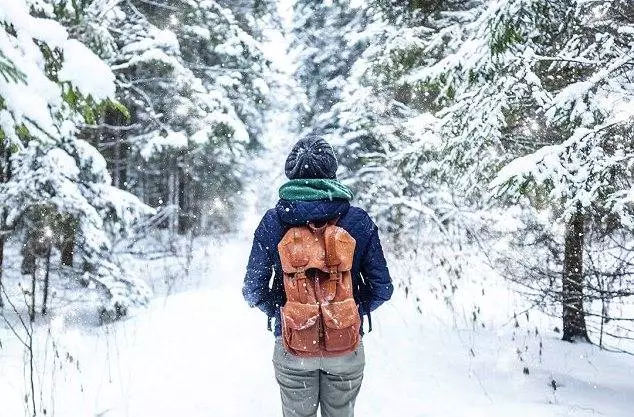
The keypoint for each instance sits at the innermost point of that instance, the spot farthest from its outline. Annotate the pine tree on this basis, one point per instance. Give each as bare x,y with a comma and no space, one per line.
53,181
325,46
539,89
388,125
452,100
195,83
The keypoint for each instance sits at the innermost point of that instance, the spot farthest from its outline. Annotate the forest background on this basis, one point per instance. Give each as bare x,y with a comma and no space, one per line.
484,136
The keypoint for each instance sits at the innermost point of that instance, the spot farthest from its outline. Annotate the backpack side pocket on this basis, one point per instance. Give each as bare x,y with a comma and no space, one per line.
341,326
300,327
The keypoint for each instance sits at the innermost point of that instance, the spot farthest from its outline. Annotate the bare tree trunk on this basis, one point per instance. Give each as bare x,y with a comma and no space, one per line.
113,147
186,219
170,199
574,322
46,279
116,169
68,246
173,197
33,288
177,192
29,251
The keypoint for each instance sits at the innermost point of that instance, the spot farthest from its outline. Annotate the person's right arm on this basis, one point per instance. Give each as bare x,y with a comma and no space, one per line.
375,273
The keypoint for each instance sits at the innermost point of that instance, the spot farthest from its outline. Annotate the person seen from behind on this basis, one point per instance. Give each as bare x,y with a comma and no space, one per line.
328,272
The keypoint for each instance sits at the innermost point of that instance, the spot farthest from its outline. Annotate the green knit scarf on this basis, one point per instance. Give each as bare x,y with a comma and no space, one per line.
311,189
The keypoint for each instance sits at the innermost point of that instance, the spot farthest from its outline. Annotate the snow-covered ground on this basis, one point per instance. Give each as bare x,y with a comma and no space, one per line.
202,352
198,350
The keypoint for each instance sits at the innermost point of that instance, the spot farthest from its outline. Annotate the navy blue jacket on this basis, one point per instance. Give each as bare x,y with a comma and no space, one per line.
371,278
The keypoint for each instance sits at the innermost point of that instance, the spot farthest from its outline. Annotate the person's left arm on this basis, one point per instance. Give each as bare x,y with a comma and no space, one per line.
256,289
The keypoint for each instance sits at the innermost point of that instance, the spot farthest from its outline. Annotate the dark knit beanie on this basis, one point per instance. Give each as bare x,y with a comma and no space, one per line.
311,157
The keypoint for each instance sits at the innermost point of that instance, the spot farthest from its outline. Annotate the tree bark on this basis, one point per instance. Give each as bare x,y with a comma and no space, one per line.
177,192
29,250
33,288
174,186
68,245
171,198
186,218
116,169
113,147
574,321
46,280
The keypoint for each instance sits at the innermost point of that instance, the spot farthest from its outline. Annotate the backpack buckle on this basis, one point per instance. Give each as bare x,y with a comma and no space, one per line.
335,275
302,290
299,274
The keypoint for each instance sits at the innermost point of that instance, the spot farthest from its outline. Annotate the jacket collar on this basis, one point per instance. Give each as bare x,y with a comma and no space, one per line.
296,212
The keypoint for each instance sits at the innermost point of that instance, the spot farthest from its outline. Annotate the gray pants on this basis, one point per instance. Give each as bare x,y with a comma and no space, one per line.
306,383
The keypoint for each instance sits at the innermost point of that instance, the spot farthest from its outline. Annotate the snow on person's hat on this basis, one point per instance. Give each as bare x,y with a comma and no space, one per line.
311,157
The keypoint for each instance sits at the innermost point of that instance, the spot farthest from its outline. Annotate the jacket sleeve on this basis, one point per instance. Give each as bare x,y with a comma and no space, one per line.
256,289
378,284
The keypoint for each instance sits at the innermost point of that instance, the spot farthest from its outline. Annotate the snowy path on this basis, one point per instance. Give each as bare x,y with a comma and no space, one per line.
205,353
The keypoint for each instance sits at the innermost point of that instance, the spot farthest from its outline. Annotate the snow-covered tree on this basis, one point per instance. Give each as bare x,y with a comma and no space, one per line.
195,84
325,47
456,110
255,17
539,109
54,183
386,126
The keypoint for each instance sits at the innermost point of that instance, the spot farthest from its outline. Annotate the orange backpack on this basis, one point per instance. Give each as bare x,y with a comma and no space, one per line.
320,317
